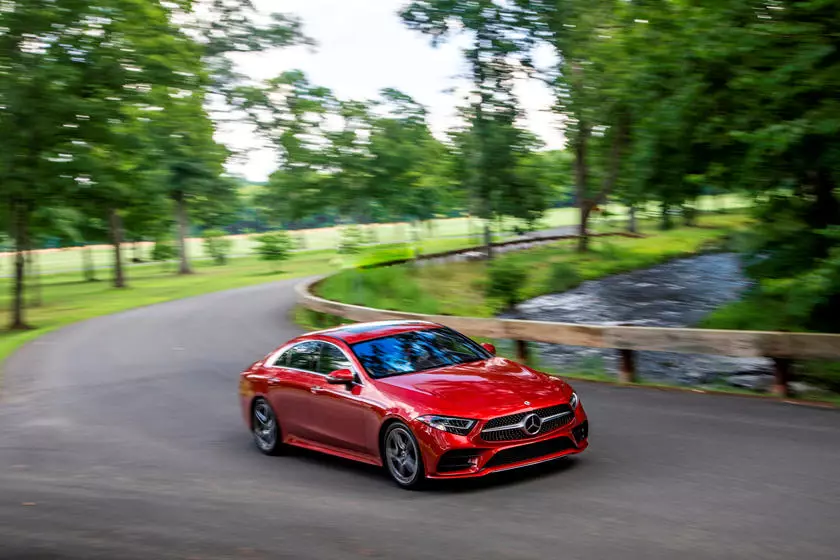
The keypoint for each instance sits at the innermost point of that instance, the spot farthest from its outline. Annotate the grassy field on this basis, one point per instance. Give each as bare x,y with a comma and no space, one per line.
459,288
66,299
70,259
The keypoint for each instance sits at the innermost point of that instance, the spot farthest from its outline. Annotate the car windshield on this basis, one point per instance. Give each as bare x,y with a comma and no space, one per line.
416,351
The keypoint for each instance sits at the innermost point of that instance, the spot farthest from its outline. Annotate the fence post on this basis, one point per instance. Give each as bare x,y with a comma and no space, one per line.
782,372
522,351
627,371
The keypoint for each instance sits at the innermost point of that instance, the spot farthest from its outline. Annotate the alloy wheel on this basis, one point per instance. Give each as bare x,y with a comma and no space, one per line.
265,427
402,456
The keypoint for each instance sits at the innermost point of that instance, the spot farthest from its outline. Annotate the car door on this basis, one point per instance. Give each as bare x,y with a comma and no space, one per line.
293,375
345,417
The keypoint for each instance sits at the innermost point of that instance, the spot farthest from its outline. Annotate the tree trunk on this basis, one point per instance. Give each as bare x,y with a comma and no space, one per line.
87,265
619,138
19,220
689,214
488,240
583,228
581,178
632,227
666,217
183,229
115,223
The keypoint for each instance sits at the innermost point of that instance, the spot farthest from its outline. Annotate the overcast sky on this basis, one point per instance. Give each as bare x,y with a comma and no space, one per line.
362,47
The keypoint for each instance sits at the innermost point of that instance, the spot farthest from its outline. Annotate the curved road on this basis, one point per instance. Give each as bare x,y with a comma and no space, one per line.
121,438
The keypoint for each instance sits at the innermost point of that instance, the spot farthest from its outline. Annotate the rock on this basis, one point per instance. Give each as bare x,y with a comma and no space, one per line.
756,382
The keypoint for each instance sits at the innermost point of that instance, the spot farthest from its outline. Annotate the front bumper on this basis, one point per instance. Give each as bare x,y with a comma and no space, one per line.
448,455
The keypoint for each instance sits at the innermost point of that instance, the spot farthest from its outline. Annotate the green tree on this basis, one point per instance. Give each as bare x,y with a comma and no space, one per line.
164,250
217,245
352,238
274,247
499,49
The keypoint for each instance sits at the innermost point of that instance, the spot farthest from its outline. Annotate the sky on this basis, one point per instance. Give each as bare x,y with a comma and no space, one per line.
363,47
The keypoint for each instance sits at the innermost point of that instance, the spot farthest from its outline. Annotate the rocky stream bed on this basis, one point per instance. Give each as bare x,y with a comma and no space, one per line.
676,294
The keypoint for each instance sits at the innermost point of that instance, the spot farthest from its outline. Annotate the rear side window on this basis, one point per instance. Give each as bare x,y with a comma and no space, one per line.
302,356
332,359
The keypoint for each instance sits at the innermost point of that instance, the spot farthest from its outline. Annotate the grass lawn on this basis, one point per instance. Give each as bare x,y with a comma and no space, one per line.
66,298
70,259
459,288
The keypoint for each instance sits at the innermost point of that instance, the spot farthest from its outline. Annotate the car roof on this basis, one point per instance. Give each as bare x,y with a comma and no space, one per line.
360,332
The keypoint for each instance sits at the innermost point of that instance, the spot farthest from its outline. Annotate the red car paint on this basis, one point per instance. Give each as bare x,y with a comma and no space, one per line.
348,421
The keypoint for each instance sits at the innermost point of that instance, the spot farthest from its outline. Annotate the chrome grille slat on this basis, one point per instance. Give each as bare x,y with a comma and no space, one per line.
506,428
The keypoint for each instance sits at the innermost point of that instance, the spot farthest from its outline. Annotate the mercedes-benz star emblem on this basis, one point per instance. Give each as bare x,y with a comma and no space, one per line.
532,424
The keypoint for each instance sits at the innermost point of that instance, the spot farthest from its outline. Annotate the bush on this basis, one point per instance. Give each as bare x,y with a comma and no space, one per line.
608,250
369,235
217,244
164,250
386,253
393,287
505,280
562,277
274,246
351,240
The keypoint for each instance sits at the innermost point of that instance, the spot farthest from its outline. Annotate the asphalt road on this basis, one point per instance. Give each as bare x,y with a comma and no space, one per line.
121,438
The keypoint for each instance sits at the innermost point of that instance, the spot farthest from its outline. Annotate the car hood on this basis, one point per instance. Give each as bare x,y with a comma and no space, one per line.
476,390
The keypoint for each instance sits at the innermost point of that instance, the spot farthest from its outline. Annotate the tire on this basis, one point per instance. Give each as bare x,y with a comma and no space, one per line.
265,428
402,458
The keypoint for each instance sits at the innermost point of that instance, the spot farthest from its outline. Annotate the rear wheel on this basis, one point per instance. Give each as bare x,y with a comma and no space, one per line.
265,428
402,456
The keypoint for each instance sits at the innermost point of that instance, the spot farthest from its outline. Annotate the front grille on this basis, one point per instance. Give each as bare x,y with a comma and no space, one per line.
515,433
457,460
530,451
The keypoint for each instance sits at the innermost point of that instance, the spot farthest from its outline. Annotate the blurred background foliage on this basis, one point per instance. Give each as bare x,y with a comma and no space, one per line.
108,110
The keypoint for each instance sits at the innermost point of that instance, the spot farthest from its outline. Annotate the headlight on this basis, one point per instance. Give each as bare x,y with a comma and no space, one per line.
458,426
574,401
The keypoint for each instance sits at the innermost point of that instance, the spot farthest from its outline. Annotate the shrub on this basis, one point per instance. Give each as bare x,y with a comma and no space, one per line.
608,250
561,277
274,246
369,235
505,280
351,240
217,244
386,253
164,250
393,287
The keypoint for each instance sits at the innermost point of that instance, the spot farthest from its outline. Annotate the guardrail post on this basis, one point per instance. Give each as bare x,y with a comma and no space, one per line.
522,351
627,371
782,372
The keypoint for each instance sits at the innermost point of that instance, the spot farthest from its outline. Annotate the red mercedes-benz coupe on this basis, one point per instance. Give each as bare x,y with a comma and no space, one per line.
419,398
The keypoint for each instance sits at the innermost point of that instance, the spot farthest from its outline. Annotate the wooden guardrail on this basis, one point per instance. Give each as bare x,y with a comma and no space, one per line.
779,346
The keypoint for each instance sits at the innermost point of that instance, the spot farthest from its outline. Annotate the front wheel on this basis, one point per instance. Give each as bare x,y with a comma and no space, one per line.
265,428
402,457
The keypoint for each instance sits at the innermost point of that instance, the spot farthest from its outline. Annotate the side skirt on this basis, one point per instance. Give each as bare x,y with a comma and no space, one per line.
330,450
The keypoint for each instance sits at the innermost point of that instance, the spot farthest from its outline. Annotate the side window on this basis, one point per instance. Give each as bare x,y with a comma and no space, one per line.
302,356
283,360
332,359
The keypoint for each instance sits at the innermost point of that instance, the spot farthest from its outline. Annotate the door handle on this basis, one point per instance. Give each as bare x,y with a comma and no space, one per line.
315,390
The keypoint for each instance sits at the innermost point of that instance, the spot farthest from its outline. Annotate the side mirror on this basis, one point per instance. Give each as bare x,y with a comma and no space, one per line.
489,347
341,377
